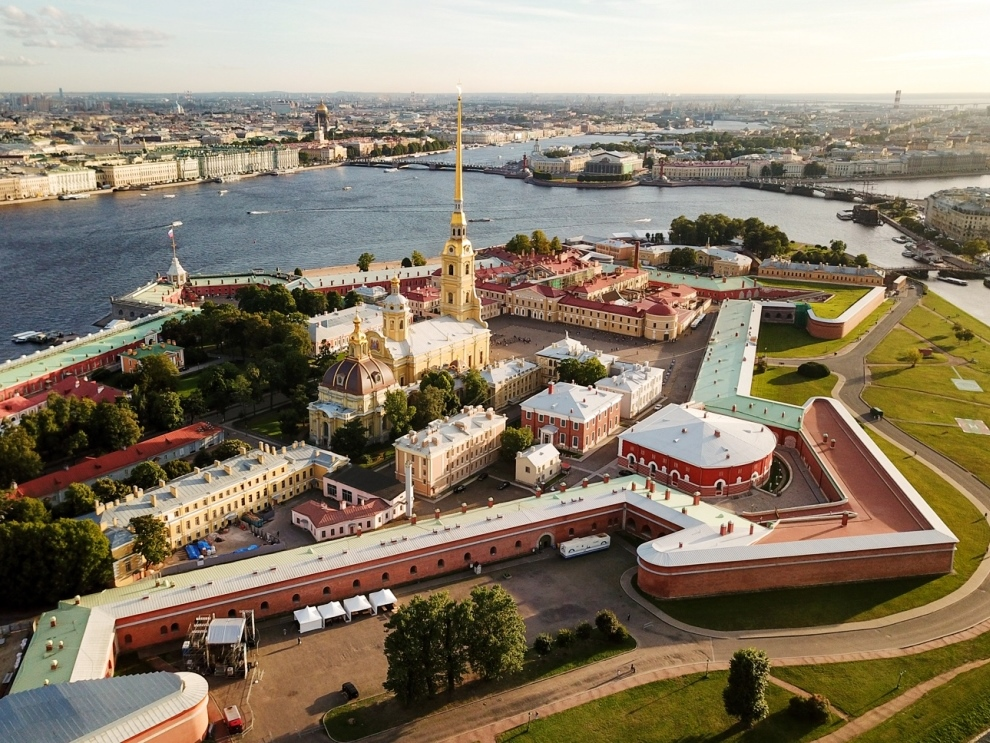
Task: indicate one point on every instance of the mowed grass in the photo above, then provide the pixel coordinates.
(786, 385)
(823, 605)
(933, 382)
(957, 711)
(938, 330)
(375, 714)
(682, 709)
(896, 347)
(953, 313)
(789, 342)
(843, 297)
(266, 424)
(931, 420)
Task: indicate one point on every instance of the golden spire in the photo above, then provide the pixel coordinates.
(395, 284)
(458, 196)
(358, 346)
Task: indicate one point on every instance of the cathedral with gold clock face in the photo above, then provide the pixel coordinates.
(458, 340)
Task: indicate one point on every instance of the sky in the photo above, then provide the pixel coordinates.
(512, 46)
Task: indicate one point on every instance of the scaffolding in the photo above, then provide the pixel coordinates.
(195, 655)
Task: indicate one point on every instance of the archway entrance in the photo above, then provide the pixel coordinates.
(546, 541)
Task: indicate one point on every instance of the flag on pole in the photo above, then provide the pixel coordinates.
(171, 233)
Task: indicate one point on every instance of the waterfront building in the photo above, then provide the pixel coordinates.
(572, 417)
(820, 273)
(14, 408)
(961, 213)
(65, 180)
(699, 170)
(640, 385)
(353, 389)
(510, 381)
(573, 163)
(538, 464)
(604, 162)
(450, 450)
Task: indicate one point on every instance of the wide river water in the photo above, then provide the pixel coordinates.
(61, 261)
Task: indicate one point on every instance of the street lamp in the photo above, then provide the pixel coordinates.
(530, 717)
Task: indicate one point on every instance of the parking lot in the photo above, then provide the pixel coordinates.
(299, 682)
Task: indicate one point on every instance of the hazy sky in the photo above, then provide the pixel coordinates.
(567, 46)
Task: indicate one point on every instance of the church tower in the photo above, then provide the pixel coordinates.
(457, 295)
(357, 348)
(396, 315)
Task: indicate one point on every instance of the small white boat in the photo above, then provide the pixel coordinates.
(258, 212)
(391, 170)
(643, 220)
(346, 188)
(169, 196)
(223, 191)
(73, 196)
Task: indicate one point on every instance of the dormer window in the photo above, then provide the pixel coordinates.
(339, 380)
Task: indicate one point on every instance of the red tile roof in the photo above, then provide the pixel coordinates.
(321, 515)
(618, 309)
(491, 287)
(91, 469)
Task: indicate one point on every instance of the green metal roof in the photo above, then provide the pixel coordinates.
(35, 668)
(727, 283)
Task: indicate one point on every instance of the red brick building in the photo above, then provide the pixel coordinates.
(571, 417)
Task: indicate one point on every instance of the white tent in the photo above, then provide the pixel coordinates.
(382, 599)
(330, 611)
(355, 604)
(309, 619)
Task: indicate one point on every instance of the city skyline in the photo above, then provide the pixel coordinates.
(768, 47)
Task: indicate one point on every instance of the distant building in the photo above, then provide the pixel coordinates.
(450, 450)
(572, 417)
(961, 213)
(538, 464)
(14, 408)
(640, 385)
(568, 348)
(773, 269)
(511, 381)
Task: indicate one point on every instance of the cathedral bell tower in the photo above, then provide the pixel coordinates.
(457, 295)
(357, 348)
(396, 315)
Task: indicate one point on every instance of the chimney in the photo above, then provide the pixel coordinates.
(154, 500)
(53, 621)
(633, 487)
(436, 513)
(666, 494)
(550, 388)
(161, 483)
(491, 502)
(207, 477)
(605, 478)
(635, 264)
(721, 530)
(845, 519)
(409, 489)
(174, 490)
(652, 485)
(697, 497)
(412, 519)
(49, 646)
(732, 527)
(539, 491)
(752, 528)
(584, 483)
(463, 507)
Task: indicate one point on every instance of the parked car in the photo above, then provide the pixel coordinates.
(504, 485)
(349, 690)
(460, 488)
(483, 475)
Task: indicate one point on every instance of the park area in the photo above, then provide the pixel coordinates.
(842, 297)
(790, 342)
(785, 384)
(940, 400)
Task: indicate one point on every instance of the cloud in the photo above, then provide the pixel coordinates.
(17, 62)
(55, 29)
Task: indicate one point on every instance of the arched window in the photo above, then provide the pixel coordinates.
(450, 270)
(175, 626)
(128, 639)
(440, 563)
(492, 551)
(356, 583)
(264, 605)
(570, 532)
(412, 570)
(450, 297)
(467, 557)
(384, 577)
(326, 590)
(164, 630)
(295, 598)
(402, 324)
(467, 269)
(232, 613)
(594, 526)
(518, 544)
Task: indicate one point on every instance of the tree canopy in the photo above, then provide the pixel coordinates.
(350, 439)
(398, 412)
(585, 372)
(745, 693)
(150, 539)
(365, 260)
(514, 440)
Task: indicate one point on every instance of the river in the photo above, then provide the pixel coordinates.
(62, 260)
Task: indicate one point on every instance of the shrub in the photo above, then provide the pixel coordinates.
(621, 634)
(543, 643)
(815, 708)
(606, 622)
(565, 638)
(813, 370)
(584, 630)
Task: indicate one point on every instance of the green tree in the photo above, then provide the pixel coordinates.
(114, 426)
(229, 448)
(745, 693)
(585, 372)
(474, 388)
(365, 260)
(682, 258)
(352, 299)
(26, 511)
(862, 260)
(194, 405)
(430, 404)
(455, 628)
(442, 380)
(683, 231)
(308, 302)
(176, 468)
(158, 374)
(497, 640)
(406, 263)
(151, 539)
(80, 498)
(350, 439)
(777, 170)
(515, 440)
(413, 648)
(555, 246)
(108, 490)
(147, 475)
(913, 355)
(334, 301)
(217, 386)
(398, 412)
(520, 244)
(539, 242)
(975, 247)
(813, 170)
(418, 259)
(19, 462)
(165, 411)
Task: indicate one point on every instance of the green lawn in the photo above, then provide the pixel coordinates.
(373, 715)
(789, 342)
(189, 382)
(939, 331)
(953, 313)
(957, 711)
(266, 424)
(843, 297)
(786, 385)
(687, 709)
(935, 380)
(896, 347)
(808, 607)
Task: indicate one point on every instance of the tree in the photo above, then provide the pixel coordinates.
(497, 640)
(365, 260)
(398, 412)
(150, 539)
(514, 440)
(147, 475)
(682, 258)
(334, 301)
(114, 426)
(519, 244)
(430, 404)
(413, 648)
(418, 259)
(176, 468)
(585, 372)
(350, 439)
(474, 388)
(308, 302)
(352, 299)
(539, 242)
(555, 246)
(26, 511)
(745, 693)
(456, 625)
(19, 462)
(194, 405)
(543, 643)
(777, 169)
(164, 411)
(964, 334)
(229, 448)
(913, 355)
(813, 170)
(442, 380)
(108, 490)
(406, 263)
(862, 260)
(973, 248)
(158, 374)
(80, 498)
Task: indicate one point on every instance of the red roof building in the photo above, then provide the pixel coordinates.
(324, 522)
(17, 406)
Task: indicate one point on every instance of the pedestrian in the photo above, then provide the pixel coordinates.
(285, 631)
(628, 617)
(298, 641)
(632, 667)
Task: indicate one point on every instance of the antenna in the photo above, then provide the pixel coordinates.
(897, 100)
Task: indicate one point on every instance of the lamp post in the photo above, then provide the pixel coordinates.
(899, 677)
(530, 717)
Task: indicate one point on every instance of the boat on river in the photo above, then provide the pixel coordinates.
(72, 196)
(845, 215)
(953, 280)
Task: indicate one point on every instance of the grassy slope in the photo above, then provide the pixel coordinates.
(786, 385)
(843, 297)
(788, 342)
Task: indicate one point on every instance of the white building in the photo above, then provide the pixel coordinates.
(511, 380)
(71, 180)
(639, 384)
(450, 450)
(568, 348)
(334, 328)
(538, 464)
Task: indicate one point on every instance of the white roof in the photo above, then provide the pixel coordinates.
(572, 401)
(383, 597)
(539, 454)
(569, 348)
(356, 603)
(701, 437)
(225, 631)
(371, 316)
(506, 370)
(458, 429)
(630, 378)
(331, 610)
(432, 335)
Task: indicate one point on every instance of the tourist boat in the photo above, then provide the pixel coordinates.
(169, 196)
(223, 191)
(391, 170)
(480, 219)
(27, 337)
(346, 188)
(845, 216)
(953, 280)
(72, 196)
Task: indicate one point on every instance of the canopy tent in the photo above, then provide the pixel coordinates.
(331, 611)
(383, 599)
(355, 604)
(309, 619)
